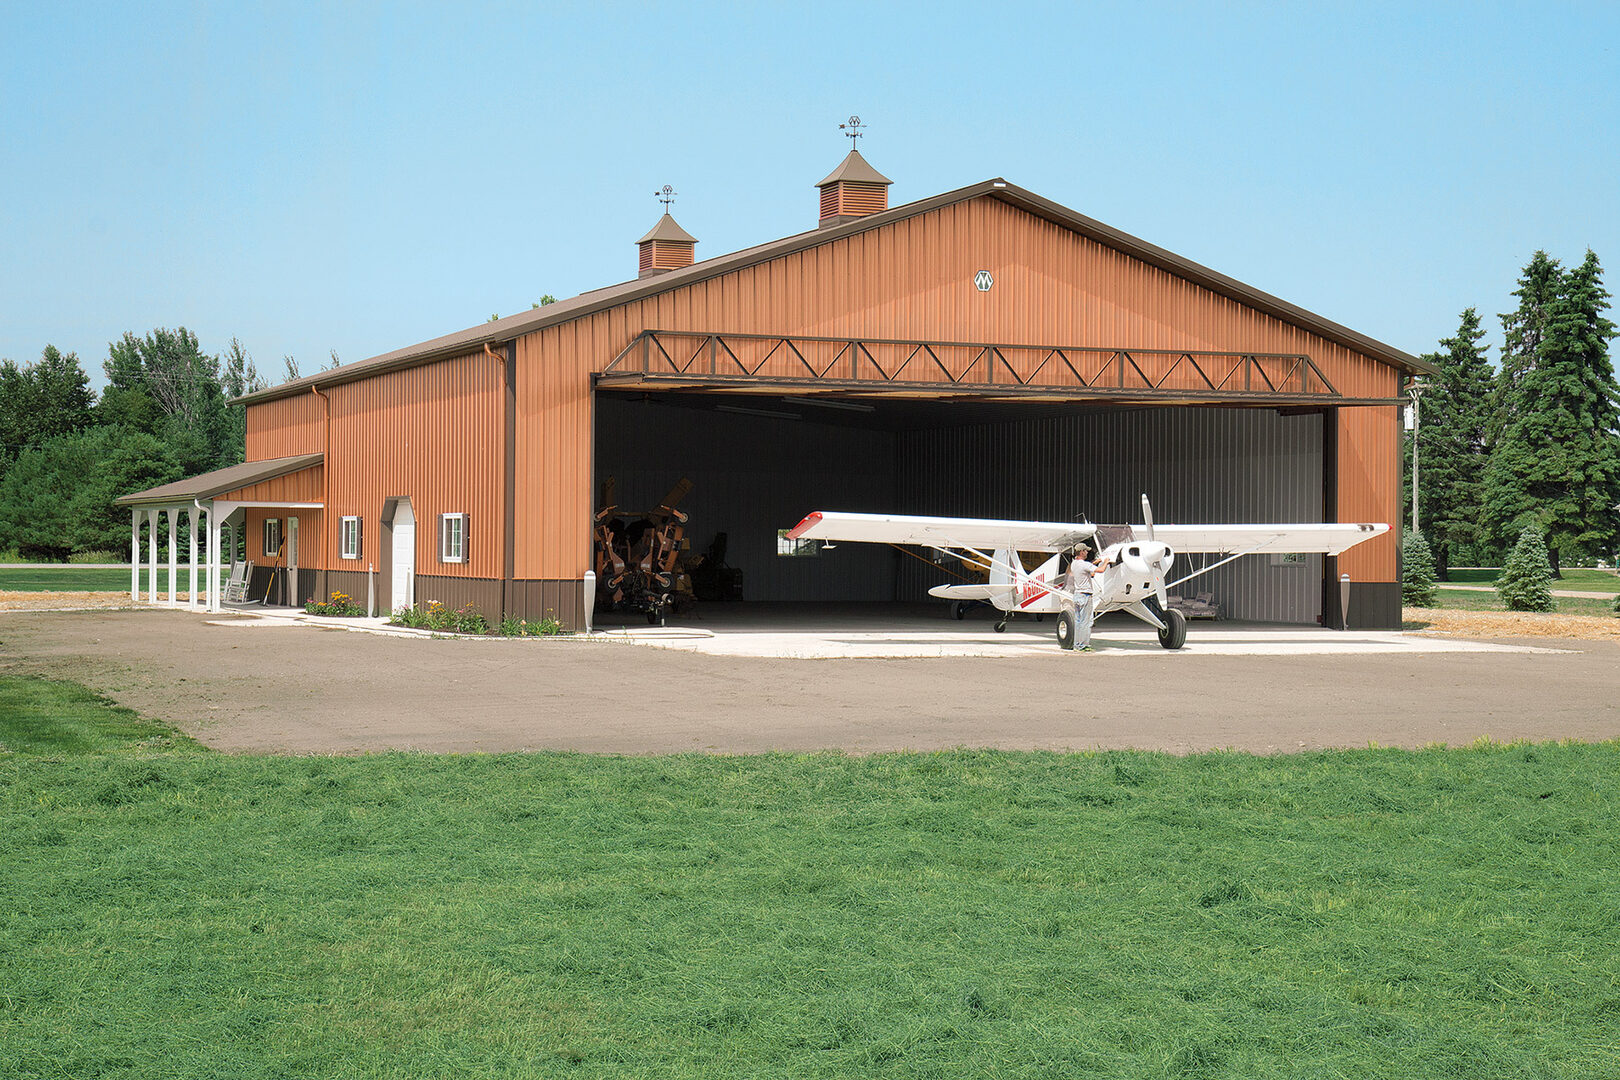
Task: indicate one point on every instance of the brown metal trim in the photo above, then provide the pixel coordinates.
(616, 295)
(509, 527)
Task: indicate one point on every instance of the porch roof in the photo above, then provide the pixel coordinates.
(207, 485)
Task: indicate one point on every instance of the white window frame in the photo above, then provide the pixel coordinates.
(344, 535)
(271, 551)
(460, 554)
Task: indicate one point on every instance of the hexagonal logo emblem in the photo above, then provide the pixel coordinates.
(982, 281)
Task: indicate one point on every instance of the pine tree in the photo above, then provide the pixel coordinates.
(1417, 570)
(1554, 463)
(1452, 442)
(1526, 581)
(1522, 330)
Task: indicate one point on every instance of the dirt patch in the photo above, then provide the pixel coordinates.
(1505, 624)
(311, 690)
(66, 601)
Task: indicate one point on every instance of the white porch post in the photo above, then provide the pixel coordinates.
(152, 556)
(191, 555)
(135, 555)
(213, 559)
(174, 551)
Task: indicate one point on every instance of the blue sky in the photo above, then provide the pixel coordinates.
(360, 177)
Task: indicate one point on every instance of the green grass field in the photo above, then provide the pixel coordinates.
(1581, 580)
(1469, 600)
(166, 911)
(84, 579)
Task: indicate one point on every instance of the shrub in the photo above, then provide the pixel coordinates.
(1417, 571)
(469, 620)
(1526, 581)
(1617, 605)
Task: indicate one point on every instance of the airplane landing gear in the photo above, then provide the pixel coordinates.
(1174, 634)
(1068, 628)
(959, 610)
(1001, 627)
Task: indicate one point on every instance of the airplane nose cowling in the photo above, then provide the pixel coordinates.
(1133, 561)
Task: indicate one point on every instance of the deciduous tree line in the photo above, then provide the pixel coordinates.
(65, 455)
(1532, 443)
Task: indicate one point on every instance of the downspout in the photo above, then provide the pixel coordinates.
(507, 361)
(326, 494)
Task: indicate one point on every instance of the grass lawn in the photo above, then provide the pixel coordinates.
(85, 579)
(1468, 600)
(1376, 913)
(1581, 580)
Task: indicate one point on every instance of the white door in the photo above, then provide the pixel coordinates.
(404, 556)
(292, 561)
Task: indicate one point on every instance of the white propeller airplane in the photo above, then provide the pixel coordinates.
(1139, 558)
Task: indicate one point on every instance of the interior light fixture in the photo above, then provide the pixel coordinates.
(758, 412)
(848, 406)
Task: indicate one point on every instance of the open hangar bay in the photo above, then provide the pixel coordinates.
(759, 463)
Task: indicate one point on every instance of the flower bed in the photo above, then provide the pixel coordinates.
(338, 604)
(467, 619)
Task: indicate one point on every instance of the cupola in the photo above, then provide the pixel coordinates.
(854, 189)
(666, 246)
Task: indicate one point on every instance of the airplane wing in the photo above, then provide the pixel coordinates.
(966, 592)
(942, 532)
(1254, 539)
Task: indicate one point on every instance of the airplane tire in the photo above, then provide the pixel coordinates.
(1001, 627)
(1174, 635)
(1068, 627)
(959, 610)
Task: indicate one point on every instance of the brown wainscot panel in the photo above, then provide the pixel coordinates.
(456, 592)
(352, 583)
(562, 599)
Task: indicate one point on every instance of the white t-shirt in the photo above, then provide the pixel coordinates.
(1080, 572)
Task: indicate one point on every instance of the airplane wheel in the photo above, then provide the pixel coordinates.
(1068, 626)
(1174, 635)
(959, 610)
(1001, 627)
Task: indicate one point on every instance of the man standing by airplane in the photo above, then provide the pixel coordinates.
(1081, 588)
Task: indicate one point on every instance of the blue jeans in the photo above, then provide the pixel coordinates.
(1084, 612)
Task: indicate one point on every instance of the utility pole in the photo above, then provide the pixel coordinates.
(1416, 389)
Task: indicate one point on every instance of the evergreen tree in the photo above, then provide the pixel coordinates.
(1522, 330)
(1526, 581)
(1417, 570)
(1554, 464)
(1453, 429)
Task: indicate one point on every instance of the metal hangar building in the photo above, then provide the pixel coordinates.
(983, 352)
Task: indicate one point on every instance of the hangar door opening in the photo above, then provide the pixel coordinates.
(758, 464)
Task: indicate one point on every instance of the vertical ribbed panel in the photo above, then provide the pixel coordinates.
(1197, 465)
(432, 433)
(753, 475)
(284, 427)
(1370, 488)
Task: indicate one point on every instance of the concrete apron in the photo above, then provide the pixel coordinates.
(870, 632)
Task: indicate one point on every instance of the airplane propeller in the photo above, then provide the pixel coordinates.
(1147, 515)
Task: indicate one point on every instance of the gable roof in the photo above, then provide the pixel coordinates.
(208, 484)
(514, 326)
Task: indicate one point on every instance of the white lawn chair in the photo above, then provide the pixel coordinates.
(236, 588)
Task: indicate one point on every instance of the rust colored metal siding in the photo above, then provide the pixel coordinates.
(911, 280)
(285, 427)
(301, 486)
(1369, 464)
(433, 434)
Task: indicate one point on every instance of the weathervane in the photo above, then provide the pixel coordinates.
(852, 129)
(665, 195)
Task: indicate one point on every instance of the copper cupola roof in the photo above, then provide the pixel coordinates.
(666, 246)
(853, 190)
